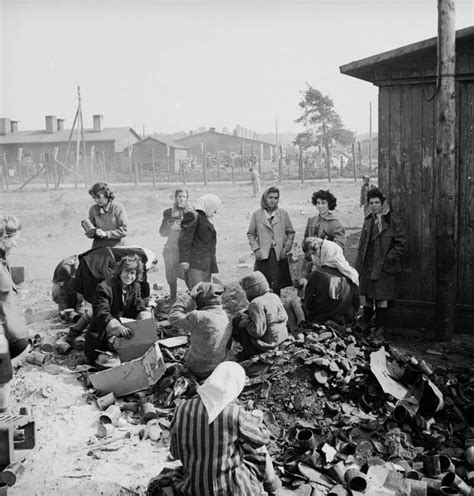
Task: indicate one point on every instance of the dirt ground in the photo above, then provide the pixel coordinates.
(65, 412)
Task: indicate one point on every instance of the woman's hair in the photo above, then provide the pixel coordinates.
(324, 195)
(9, 226)
(130, 262)
(375, 193)
(181, 189)
(98, 188)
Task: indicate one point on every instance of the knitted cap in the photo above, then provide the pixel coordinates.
(254, 285)
(206, 294)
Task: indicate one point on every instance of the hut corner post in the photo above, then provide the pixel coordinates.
(446, 275)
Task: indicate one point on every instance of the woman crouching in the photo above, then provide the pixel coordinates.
(116, 297)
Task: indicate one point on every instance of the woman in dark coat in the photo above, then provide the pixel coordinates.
(197, 241)
(170, 228)
(382, 243)
(116, 297)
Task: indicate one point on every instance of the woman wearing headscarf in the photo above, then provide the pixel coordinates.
(170, 228)
(382, 243)
(220, 444)
(197, 241)
(270, 236)
(325, 224)
(108, 217)
(13, 329)
(332, 290)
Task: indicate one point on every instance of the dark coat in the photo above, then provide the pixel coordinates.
(107, 305)
(389, 246)
(197, 242)
(319, 307)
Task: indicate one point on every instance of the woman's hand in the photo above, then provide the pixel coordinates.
(184, 265)
(99, 233)
(176, 226)
(258, 254)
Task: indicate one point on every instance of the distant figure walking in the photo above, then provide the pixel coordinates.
(255, 177)
(170, 228)
(364, 189)
(109, 218)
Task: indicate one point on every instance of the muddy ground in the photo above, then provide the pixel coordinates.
(65, 411)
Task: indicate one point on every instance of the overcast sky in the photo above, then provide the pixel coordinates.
(179, 65)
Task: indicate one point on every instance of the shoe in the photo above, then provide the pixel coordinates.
(366, 319)
(75, 339)
(105, 361)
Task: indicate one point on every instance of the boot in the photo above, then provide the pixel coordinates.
(366, 319)
(75, 339)
(380, 321)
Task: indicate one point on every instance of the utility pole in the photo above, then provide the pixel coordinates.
(445, 191)
(276, 133)
(370, 138)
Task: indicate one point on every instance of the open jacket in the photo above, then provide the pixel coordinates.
(389, 246)
(263, 235)
(326, 227)
(197, 242)
(108, 304)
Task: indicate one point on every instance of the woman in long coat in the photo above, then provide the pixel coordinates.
(325, 224)
(197, 241)
(270, 236)
(170, 228)
(382, 243)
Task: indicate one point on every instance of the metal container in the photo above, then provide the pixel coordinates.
(431, 464)
(111, 415)
(11, 473)
(306, 439)
(355, 480)
(105, 401)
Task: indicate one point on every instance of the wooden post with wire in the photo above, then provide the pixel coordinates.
(153, 166)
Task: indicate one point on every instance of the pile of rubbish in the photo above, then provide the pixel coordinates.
(347, 415)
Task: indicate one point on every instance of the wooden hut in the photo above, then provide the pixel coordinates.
(408, 87)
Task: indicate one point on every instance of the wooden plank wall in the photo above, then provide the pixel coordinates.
(465, 109)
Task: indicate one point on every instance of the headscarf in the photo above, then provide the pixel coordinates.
(208, 204)
(263, 201)
(330, 254)
(178, 210)
(207, 294)
(221, 388)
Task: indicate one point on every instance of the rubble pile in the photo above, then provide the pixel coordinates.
(347, 414)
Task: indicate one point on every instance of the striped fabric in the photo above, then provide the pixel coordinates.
(218, 459)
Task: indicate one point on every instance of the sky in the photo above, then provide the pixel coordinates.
(168, 66)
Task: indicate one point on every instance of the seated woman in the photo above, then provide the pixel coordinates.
(332, 290)
(220, 444)
(263, 326)
(116, 297)
(210, 335)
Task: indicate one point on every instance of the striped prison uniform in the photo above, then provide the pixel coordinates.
(221, 458)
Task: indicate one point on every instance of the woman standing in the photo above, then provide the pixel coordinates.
(170, 228)
(13, 330)
(325, 225)
(197, 241)
(270, 236)
(382, 243)
(116, 297)
(108, 217)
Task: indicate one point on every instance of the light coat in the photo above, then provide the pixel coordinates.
(278, 235)
(267, 321)
(209, 330)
